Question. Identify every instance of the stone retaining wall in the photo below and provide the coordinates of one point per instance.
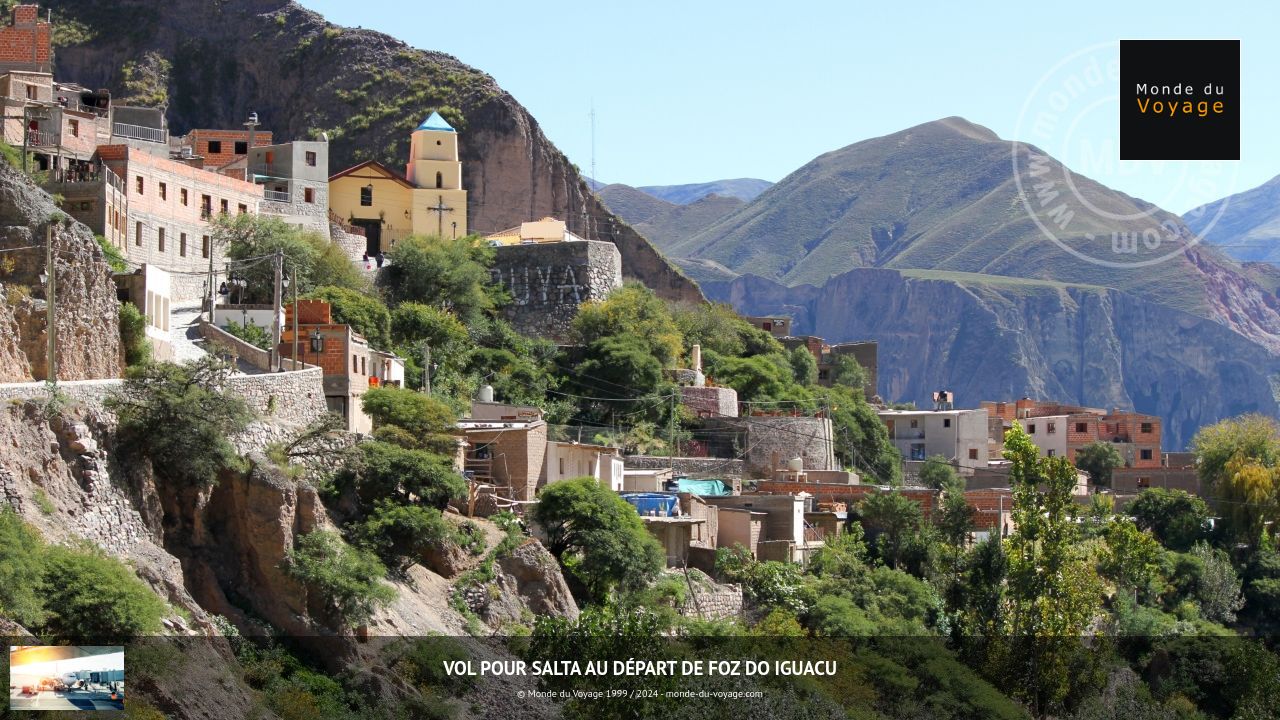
(694, 467)
(548, 282)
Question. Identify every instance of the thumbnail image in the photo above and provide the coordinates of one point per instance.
(66, 677)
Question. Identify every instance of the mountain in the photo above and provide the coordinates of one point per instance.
(744, 189)
(989, 338)
(212, 64)
(943, 196)
(1245, 226)
(662, 222)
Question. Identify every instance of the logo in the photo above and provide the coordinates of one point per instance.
(1069, 146)
(1180, 99)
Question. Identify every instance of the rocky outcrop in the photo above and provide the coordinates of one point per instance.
(990, 338)
(366, 90)
(529, 581)
(87, 312)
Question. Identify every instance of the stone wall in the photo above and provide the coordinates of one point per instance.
(710, 401)
(288, 398)
(548, 282)
(811, 438)
(694, 467)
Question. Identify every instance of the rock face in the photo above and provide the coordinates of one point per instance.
(87, 312)
(1001, 340)
(528, 582)
(365, 89)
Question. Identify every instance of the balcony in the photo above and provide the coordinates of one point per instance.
(40, 139)
(275, 196)
(137, 132)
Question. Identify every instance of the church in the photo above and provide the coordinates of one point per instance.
(427, 199)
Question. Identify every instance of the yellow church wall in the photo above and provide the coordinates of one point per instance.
(391, 202)
(432, 145)
(426, 222)
(424, 174)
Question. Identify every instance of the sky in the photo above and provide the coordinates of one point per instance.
(697, 91)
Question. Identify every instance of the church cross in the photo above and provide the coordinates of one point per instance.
(440, 209)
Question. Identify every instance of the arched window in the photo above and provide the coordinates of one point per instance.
(439, 180)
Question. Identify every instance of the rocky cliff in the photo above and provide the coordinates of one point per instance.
(87, 312)
(991, 338)
(213, 63)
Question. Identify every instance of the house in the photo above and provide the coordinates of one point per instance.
(865, 353)
(565, 460)
(1177, 471)
(220, 148)
(295, 181)
(957, 435)
(343, 354)
(169, 208)
(148, 289)
(772, 527)
(776, 326)
(507, 446)
(427, 199)
(1060, 430)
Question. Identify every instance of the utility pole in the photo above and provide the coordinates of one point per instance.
(426, 367)
(294, 283)
(211, 288)
(275, 320)
(51, 332)
(671, 431)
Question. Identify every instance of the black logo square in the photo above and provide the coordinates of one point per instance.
(1179, 99)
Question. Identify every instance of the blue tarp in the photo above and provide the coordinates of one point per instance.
(659, 504)
(706, 488)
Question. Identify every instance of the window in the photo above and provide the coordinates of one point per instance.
(915, 424)
(182, 244)
(206, 206)
(946, 422)
(917, 451)
(241, 147)
(222, 204)
(1146, 454)
(309, 195)
(214, 147)
(164, 191)
(973, 453)
(561, 466)
(824, 374)
(182, 196)
(1052, 452)
(1146, 428)
(765, 325)
(204, 246)
(74, 127)
(137, 234)
(1144, 482)
(242, 208)
(1052, 427)
(355, 365)
(366, 195)
(363, 370)
(311, 158)
(439, 180)
(1082, 427)
(31, 92)
(86, 206)
(137, 184)
(160, 239)
(1031, 429)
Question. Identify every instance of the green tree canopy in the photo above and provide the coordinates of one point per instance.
(446, 274)
(420, 415)
(1239, 466)
(309, 256)
(719, 328)
(1177, 518)
(896, 532)
(804, 367)
(631, 310)
(597, 535)
(938, 474)
(21, 570)
(169, 411)
(1098, 459)
(347, 577)
(861, 439)
(89, 594)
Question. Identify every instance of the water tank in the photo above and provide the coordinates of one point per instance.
(485, 394)
(795, 464)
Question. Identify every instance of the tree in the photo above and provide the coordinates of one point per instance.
(363, 312)
(719, 328)
(1237, 460)
(406, 475)
(896, 532)
(1132, 557)
(1177, 518)
(758, 378)
(399, 532)
(955, 519)
(1053, 590)
(347, 577)
(1217, 587)
(89, 594)
(420, 415)
(133, 335)
(938, 474)
(597, 535)
(1098, 459)
(861, 438)
(308, 256)
(633, 310)
(447, 274)
(169, 411)
(21, 570)
(847, 372)
(804, 367)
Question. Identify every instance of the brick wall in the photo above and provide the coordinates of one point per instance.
(24, 42)
(198, 141)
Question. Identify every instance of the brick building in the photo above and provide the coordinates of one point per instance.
(865, 352)
(343, 354)
(507, 448)
(169, 208)
(24, 42)
(1061, 430)
(219, 148)
(295, 181)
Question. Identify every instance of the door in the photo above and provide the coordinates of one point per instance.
(372, 235)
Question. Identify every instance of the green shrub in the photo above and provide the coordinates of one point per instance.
(133, 335)
(252, 333)
(349, 577)
(89, 594)
(391, 471)
(112, 254)
(43, 502)
(400, 534)
(21, 569)
(363, 312)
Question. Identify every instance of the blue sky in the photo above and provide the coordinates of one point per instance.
(696, 91)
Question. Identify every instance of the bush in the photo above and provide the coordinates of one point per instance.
(771, 585)
(420, 415)
(254, 334)
(397, 533)
(349, 577)
(391, 471)
(180, 414)
(450, 275)
(364, 313)
(21, 569)
(112, 254)
(133, 335)
(91, 595)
